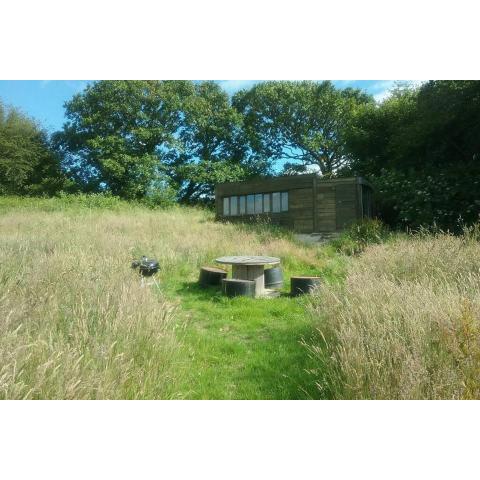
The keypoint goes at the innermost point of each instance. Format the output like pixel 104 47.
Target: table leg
pixel 250 272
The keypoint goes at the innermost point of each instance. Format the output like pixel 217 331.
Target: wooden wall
pixel 315 205
pixel 300 209
pixel 325 211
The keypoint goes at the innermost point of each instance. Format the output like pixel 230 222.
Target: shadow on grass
pixel 193 291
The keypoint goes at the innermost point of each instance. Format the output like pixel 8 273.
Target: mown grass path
pixel 242 348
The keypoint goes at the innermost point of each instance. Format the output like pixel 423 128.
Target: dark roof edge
pixel 358 179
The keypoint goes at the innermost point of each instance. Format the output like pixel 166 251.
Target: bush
pixel 160 198
pixel 360 235
pixel 447 199
pixel 67 201
pixel 92 200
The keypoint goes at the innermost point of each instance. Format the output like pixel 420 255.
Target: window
pixel 233 205
pixel 242 205
pixel 284 201
pixel 266 202
pixel 276 202
pixel 256 204
pixel 250 204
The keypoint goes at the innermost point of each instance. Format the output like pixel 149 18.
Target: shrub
pixel 104 201
pixel 77 201
pixel 360 235
pixel 160 198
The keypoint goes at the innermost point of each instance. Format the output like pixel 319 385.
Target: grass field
pixel 405 324
pixel 78 324
pixel 399 319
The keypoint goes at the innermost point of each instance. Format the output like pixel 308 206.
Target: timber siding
pixel 315 205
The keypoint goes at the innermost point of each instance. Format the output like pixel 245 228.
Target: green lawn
pixel 245 348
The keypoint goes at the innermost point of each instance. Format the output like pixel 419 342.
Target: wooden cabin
pixel 304 203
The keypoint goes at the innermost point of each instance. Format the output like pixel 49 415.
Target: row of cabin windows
pixel 275 202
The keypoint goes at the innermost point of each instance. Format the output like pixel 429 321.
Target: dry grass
pixel 406 323
pixel 75 323
pixel 74 319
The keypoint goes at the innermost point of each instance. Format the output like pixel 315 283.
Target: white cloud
pixel 383 90
pixel 233 86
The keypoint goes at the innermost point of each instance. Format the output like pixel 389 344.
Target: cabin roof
pixel 283 182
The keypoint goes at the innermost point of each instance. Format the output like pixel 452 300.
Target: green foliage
pixel 103 201
pixel 159 198
pixel 212 147
pixel 89 201
pixel 360 235
pixel 446 198
pixel 28 166
pixel 421 150
pixel 117 133
pixel 66 201
pixel 299 121
pixel 132 137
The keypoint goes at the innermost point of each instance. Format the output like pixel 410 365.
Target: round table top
pixel 248 260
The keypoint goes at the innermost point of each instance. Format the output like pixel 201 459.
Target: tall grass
pixel 75 321
pixel 405 324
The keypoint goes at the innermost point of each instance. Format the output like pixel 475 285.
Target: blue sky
pixel 44 99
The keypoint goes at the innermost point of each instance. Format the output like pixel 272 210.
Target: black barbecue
pixel 146 266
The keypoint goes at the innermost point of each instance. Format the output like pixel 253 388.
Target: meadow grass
pixel 396 319
pixel 405 324
pixel 77 323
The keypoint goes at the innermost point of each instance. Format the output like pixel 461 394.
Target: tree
pixel 135 138
pixel 118 132
pixel 421 150
pixel 300 121
pixel 28 165
pixel 211 147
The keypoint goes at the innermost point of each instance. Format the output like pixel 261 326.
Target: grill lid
pixel 147 266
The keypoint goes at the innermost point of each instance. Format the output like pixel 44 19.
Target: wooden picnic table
pixel 250 268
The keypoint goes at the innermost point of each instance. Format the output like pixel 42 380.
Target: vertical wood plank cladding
pixel 326 215
pixel 346 205
pixel 300 209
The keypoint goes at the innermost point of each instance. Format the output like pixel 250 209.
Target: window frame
pixel 250 203
pixel 226 202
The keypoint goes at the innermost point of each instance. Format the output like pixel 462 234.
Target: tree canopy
pixel 421 149
pixel 135 137
pixel 28 165
pixel 301 122
pixel 211 145
pixel 117 133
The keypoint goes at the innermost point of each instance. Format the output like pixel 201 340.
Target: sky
pixel 44 99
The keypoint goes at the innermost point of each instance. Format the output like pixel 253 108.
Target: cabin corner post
pixel 217 203
pixel 359 203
